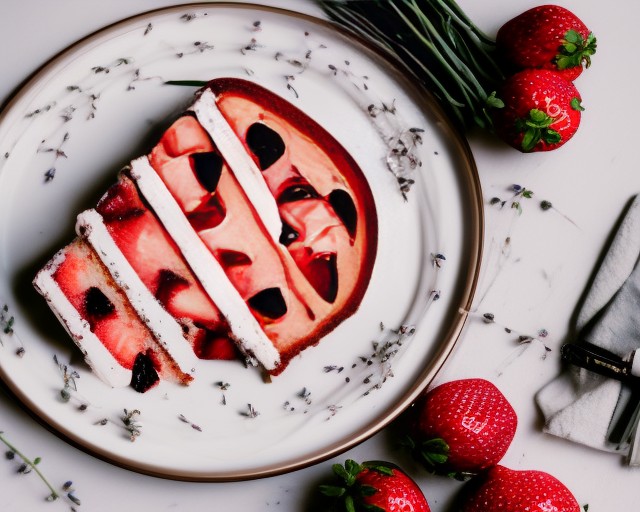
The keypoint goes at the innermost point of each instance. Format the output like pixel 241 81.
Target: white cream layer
pixel 165 329
pixel 244 327
pixel 241 164
pixel 99 359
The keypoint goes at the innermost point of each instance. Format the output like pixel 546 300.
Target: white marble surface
pixel 530 284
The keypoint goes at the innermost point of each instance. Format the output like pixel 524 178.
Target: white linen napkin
pixel 581 405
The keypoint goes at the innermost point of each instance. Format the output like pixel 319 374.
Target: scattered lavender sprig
pixel 130 424
pixel 6 321
pixel 69 378
pixel 68 488
pixel 519 192
pixel 184 419
pixel 251 412
pixel 522 338
pixel 29 465
pixel 546 205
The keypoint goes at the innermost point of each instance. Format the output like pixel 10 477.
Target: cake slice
pixel 116 344
pixel 247 231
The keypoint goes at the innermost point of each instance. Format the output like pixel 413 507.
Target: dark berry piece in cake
pixel 342 203
pixel 144 375
pixel 269 303
pixel 265 144
pixel 97 304
pixel 207 166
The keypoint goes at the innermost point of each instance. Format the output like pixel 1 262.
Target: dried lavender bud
pixel 73 498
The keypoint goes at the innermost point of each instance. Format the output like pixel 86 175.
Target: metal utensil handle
pixel 596 359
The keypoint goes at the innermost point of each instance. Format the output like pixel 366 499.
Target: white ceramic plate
pixel 101 103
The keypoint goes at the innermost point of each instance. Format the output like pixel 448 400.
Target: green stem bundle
pixel 438 43
pixel 33 465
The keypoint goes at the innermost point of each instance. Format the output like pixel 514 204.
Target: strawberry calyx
pixel 576 104
pixel 349 490
pixel 433 455
pixel 536 127
pixel 575 50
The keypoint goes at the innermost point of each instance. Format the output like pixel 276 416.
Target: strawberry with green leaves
pixel 541 111
pixel 375 486
pixel 505 490
pixel 462 427
pixel 547 37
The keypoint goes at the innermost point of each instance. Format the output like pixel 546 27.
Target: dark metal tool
pixel 603 362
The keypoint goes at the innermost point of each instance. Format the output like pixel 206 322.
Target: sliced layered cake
pixel 248 232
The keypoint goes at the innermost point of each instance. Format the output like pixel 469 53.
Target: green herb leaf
pixel 379 467
pixel 576 104
pixel 349 505
pixel 333 491
pixel 494 102
pixel 368 490
pixel 340 471
pixel 551 136
pixel 530 138
pixel 573 37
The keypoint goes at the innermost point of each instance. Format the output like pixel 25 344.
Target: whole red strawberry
pixel 547 37
pixel 506 490
pixel 375 486
pixel 541 111
pixel 462 427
